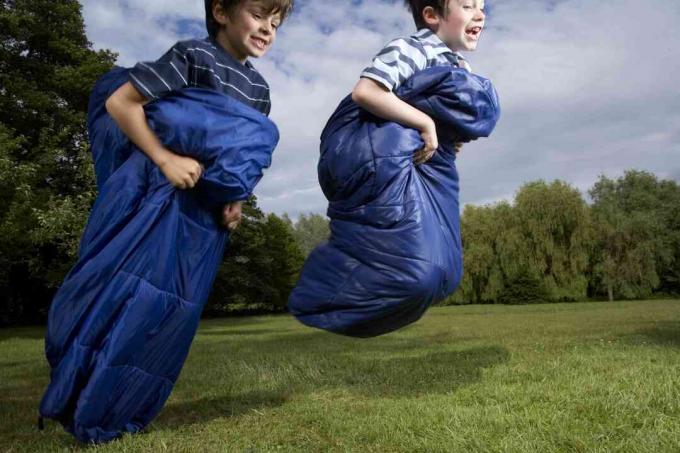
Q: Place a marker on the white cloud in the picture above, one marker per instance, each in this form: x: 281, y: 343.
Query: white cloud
x: 586, y: 87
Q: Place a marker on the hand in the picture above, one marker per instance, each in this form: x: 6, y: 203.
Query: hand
x: 458, y: 146
x: 231, y: 215
x: 182, y: 172
x: 429, y: 135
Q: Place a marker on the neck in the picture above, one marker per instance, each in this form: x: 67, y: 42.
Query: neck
x: 226, y: 45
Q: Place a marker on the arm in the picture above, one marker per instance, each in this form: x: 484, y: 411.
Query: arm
x: 126, y: 107
x: 381, y: 102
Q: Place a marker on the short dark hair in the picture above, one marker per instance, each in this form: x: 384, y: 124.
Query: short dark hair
x: 283, y: 7
x: 417, y: 7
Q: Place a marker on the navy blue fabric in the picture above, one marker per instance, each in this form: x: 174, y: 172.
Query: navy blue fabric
x: 395, y: 244
x: 120, y: 326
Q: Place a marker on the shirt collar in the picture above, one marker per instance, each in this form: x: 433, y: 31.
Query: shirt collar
x: 213, y: 42
x: 427, y: 36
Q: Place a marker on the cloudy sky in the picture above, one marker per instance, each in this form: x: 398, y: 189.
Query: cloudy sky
x: 587, y: 87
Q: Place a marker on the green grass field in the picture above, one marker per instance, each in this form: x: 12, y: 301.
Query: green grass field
x: 591, y: 377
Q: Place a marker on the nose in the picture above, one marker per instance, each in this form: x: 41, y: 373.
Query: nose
x: 266, y: 27
x: 480, y: 15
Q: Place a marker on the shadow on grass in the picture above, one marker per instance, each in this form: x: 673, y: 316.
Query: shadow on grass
x: 236, y: 321
x: 227, y: 332
x: 203, y: 410
x: 663, y: 333
x: 387, y: 366
x: 20, y: 396
x: 374, y: 372
x: 273, y: 369
x: 28, y: 333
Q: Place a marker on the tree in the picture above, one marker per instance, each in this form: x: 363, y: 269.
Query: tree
x: 310, y: 230
x: 535, y: 250
x: 284, y: 259
x: 485, y: 231
x: 260, y: 266
x: 47, y: 70
x: 668, y: 264
x: 636, y: 234
x: 555, y: 222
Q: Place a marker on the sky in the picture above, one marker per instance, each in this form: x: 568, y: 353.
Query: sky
x: 586, y: 87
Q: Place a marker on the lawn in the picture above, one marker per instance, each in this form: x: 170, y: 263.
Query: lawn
x: 591, y: 377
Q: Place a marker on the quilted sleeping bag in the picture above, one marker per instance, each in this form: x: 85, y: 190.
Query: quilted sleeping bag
x: 395, y: 245
x: 121, y: 324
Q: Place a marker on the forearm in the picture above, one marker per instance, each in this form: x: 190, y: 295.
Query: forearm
x: 385, y: 104
x: 126, y: 107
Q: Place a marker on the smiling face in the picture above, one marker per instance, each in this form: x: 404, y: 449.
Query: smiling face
x: 461, y: 26
x: 247, y: 30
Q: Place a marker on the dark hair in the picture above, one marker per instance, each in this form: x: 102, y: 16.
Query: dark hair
x: 417, y: 7
x: 283, y: 7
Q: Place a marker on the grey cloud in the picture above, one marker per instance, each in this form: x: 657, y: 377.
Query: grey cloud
x: 585, y: 88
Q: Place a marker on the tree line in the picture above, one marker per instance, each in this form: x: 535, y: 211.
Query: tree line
x: 548, y: 245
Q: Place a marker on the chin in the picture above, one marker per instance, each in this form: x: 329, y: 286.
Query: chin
x: 255, y: 52
x: 470, y: 46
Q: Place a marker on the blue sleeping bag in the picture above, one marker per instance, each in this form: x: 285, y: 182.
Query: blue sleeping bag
x: 395, y: 245
x: 120, y: 326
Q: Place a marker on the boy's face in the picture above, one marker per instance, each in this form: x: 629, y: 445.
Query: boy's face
x: 462, y: 25
x: 247, y: 30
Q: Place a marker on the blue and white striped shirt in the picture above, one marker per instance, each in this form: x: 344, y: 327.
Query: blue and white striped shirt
x: 403, y: 57
x: 203, y: 64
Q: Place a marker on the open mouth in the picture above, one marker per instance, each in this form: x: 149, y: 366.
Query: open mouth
x: 259, y: 43
x: 473, y: 32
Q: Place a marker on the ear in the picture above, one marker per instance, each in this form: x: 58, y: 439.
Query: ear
x: 431, y: 17
x: 219, y: 13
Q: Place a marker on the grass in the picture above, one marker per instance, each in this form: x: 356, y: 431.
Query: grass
x: 590, y: 377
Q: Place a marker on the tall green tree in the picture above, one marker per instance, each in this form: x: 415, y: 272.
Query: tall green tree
x: 284, y: 259
x: 555, y: 222
x: 668, y: 263
x: 260, y: 266
x: 309, y: 230
x: 47, y: 70
x: 635, y: 220
x: 487, y: 232
x: 535, y: 250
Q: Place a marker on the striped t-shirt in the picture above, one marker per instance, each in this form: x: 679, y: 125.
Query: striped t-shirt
x: 203, y: 64
x: 403, y: 57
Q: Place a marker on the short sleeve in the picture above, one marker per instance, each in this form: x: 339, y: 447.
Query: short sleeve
x: 170, y: 72
x: 463, y: 63
x: 394, y: 64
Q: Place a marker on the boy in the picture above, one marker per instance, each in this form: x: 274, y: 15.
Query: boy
x: 122, y: 322
x: 395, y: 246
x: 445, y: 27
x: 238, y: 29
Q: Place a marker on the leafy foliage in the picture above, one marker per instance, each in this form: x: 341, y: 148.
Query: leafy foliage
x: 636, y: 223
x: 309, y: 231
x: 549, y: 245
x: 47, y: 69
x: 260, y: 267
